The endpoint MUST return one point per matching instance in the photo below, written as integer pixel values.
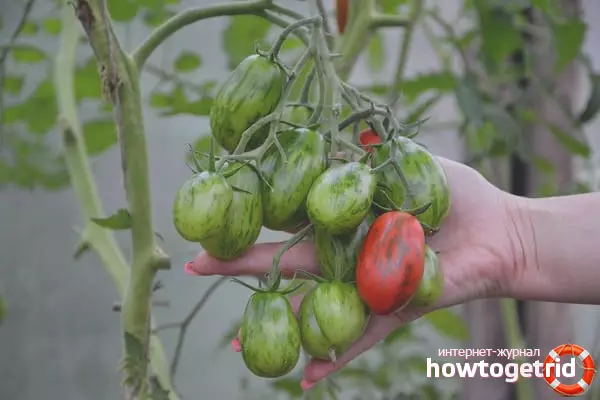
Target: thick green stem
(417, 9)
(120, 81)
(98, 239)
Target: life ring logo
(583, 356)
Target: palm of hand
(473, 247)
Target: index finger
(257, 261)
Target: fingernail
(237, 347)
(189, 269)
(306, 385)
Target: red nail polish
(306, 385)
(237, 347)
(188, 268)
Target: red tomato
(391, 262)
(341, 12)
(367, 137)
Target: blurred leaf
(187, 61)
(429, 392)
(421, 109)
(2, 310)
(41, 103)
(376, 53)
(443, 82)
(52, 25)
(469, 100)
(498, 34)
(290, 386)
(543, 164)
(201, 146)
(87, 81)
(568, 40)
(398, 335)
(155, 18)
(449, 324)
(570, 143)
(542, 5)
(29, 28)
(122, 10)
(13, 84)
(292, 43)
(241, 35)
(28, 54)
(99, 135)
(177, 102)
(118, 221)
(391, 6)
(593, 103)
(381, 378)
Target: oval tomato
(368, 137)
(391, 262)
(341, 13)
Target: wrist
(556, 254)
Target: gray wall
(61, 339)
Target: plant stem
(386, 20)
(120, 82)
(100, 240)
(188, 17)
(417, 9)
(510, 318)
(283, 35)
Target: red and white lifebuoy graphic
(589, 370)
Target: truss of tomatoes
(369, 219)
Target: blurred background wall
(60, 339)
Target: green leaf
(376, 53)
(449, 324)
(290, 386)
(469, 99)
(2, 310)
(28, 54)
(443, 82)
(241, 35)
(543, 164)
(401, 334)
(29, 28)
(122, 10)
(593, 103)
(118, 221)
(542, 5)
(13, 84)
(568, 40)
(187, 61)
(52, 25)
(176, 102)
(157, 392)
(99, 135)
(498, 34)
(571, 143)
(391, 6)
(87, 81)
(38, 111)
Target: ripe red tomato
(341, 12)
(367, 137)
(391, 262)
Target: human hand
(477, 249)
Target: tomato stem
(274, 52)
(274, 277)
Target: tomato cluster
(369, 219)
